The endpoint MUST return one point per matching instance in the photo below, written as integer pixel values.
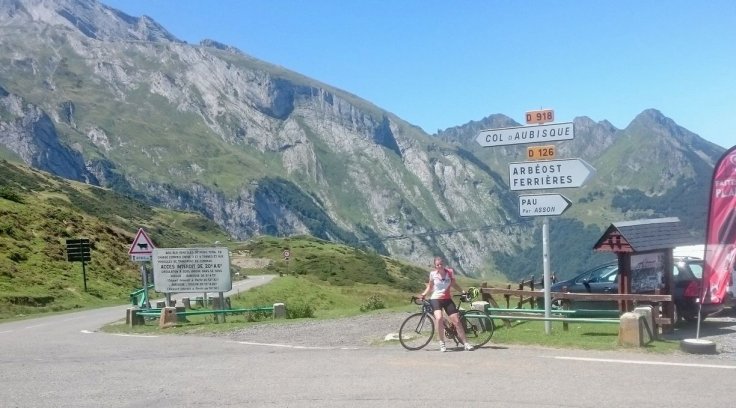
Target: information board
(184, 270)
(647, 271)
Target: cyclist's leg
(439, 324)
(439, 318)
(454, 316)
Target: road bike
(418, 329)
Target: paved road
(62, 361)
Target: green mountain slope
(90, 94)
(38, 212)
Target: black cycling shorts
(446, 304)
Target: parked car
(687, 277)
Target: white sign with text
(546, 174)
(553, 132)
(543, 204)
(184, 270)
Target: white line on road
(605, 360)
(36, 325)
(295, 347)
(120, 334)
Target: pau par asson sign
(185, 270)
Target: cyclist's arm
(455, 285)
(427, 289)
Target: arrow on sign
(552, 132)
(543, 204)
(546, 174)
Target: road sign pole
(84, 275)
(547, 280)
(144, 279)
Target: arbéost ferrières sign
(184, 270)
(546, 174)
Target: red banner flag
(720, 236)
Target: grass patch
(334, 301)
(586, 336)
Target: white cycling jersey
(441, 286)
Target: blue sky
(439, 64)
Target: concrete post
(629, 331)
(479, 305)
(168, 318)
(649, 329)
(279, 311)
(132, 318)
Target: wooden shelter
(644, 251)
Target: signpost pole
(84, 275)
(222, 305)
(144, 279)
(547, 280)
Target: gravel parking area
(720, 329)
(371, 330)
(358, 331)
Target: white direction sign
(543, 204)
(552, 132)
(546, 174)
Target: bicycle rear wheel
(416, 331)
(478, 328)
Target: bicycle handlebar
(466, 296)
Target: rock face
(92, 94)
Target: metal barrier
(157, 312)
(139, 297)
(568, 315)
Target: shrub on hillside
(9, 193)
(374, 303)
(299, 310)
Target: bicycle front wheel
(478, 328)
(416, 331)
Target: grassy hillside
(38, 212)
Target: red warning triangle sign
(142, 245)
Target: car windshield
(606, 273)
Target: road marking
(6, 331)
(120, 334)
(641, 362)
(36, 325)
(295, 347)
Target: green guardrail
(570, 315)
(556, 319)
(157, 311)
(489, 310)
(597, 313)
(140, 297)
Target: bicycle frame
(418, 329)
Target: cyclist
(441, 281)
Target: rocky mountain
(92, 94)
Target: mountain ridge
(260, 149)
